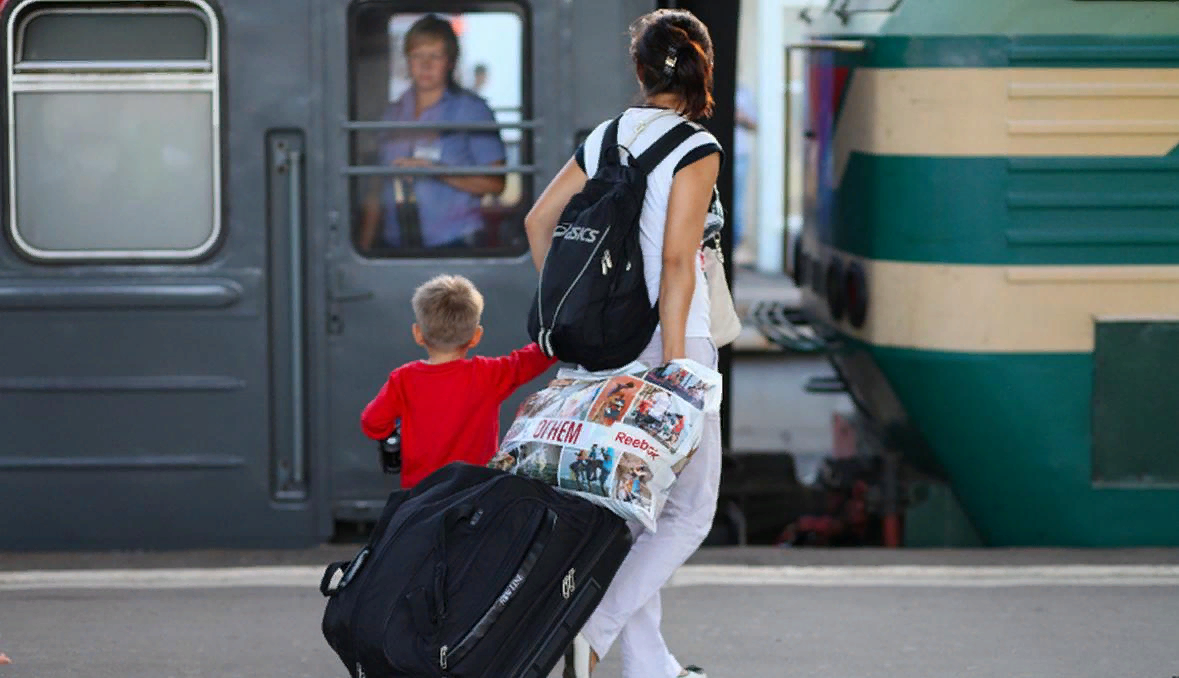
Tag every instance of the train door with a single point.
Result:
(394, 226)
(506, 124)
(150, 276)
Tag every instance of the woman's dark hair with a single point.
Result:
(672, 51)
(434, 27)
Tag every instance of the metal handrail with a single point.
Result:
(846, 14)
(294, 161)
(376, 125)
(438, 170)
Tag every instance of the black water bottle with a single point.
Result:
(391, 452)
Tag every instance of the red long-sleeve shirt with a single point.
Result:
(449, 412)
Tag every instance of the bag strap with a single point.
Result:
(609, 151)
(649, 159)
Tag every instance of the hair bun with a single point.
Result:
(673, 52)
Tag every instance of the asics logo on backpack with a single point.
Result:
(570, 232)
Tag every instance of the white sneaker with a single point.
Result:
(692, 672)
(577, 658)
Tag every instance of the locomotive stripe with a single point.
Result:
(1001, 309)
(1060, 211)
(1008, 112)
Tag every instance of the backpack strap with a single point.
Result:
(649, 159)
(609, 150)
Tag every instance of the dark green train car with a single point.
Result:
(991, 244)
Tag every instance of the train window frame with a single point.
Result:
(526, 168)
(106, 77)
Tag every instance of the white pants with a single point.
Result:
(630, 611)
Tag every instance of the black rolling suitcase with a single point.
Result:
(473, 573)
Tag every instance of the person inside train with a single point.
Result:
(448, 405)
(432, 211)
(673, 59)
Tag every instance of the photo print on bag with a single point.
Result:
(680, 382)
(614, 400)
(655, 413)
(632, 480)
(578, 399)
(539, 462)
(587, 470)
(544, 403)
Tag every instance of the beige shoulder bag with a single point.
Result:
(725, 323)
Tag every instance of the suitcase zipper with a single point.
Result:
(481, 626)
(578, 555)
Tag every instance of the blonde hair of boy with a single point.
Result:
(447, 309)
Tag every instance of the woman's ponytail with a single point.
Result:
(673, 54)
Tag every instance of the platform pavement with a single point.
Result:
(739, 613)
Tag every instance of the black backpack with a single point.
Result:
(591, 306)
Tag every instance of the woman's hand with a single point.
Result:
(687, 210)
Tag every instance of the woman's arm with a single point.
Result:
(486, 148)
(687, 209)
(542, 218)
(478, 184)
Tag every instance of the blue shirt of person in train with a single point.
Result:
(449, 215)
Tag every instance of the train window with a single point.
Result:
(115, 107)
(106, 36)
(440, 145)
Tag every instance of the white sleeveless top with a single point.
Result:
(650, 124)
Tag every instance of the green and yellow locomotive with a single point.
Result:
(991, 250)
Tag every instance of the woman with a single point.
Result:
(672, 54)
(447, 205)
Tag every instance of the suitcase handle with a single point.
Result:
(348, 567)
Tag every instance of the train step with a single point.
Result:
(786, 327)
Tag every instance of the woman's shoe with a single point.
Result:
(692, 672)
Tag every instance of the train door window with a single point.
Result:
(113, 130)
(440, 132)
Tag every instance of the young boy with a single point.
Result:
(448, 404)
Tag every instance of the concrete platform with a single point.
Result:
(990, 614)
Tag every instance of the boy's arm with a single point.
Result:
(381, 414)
(512, 371)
